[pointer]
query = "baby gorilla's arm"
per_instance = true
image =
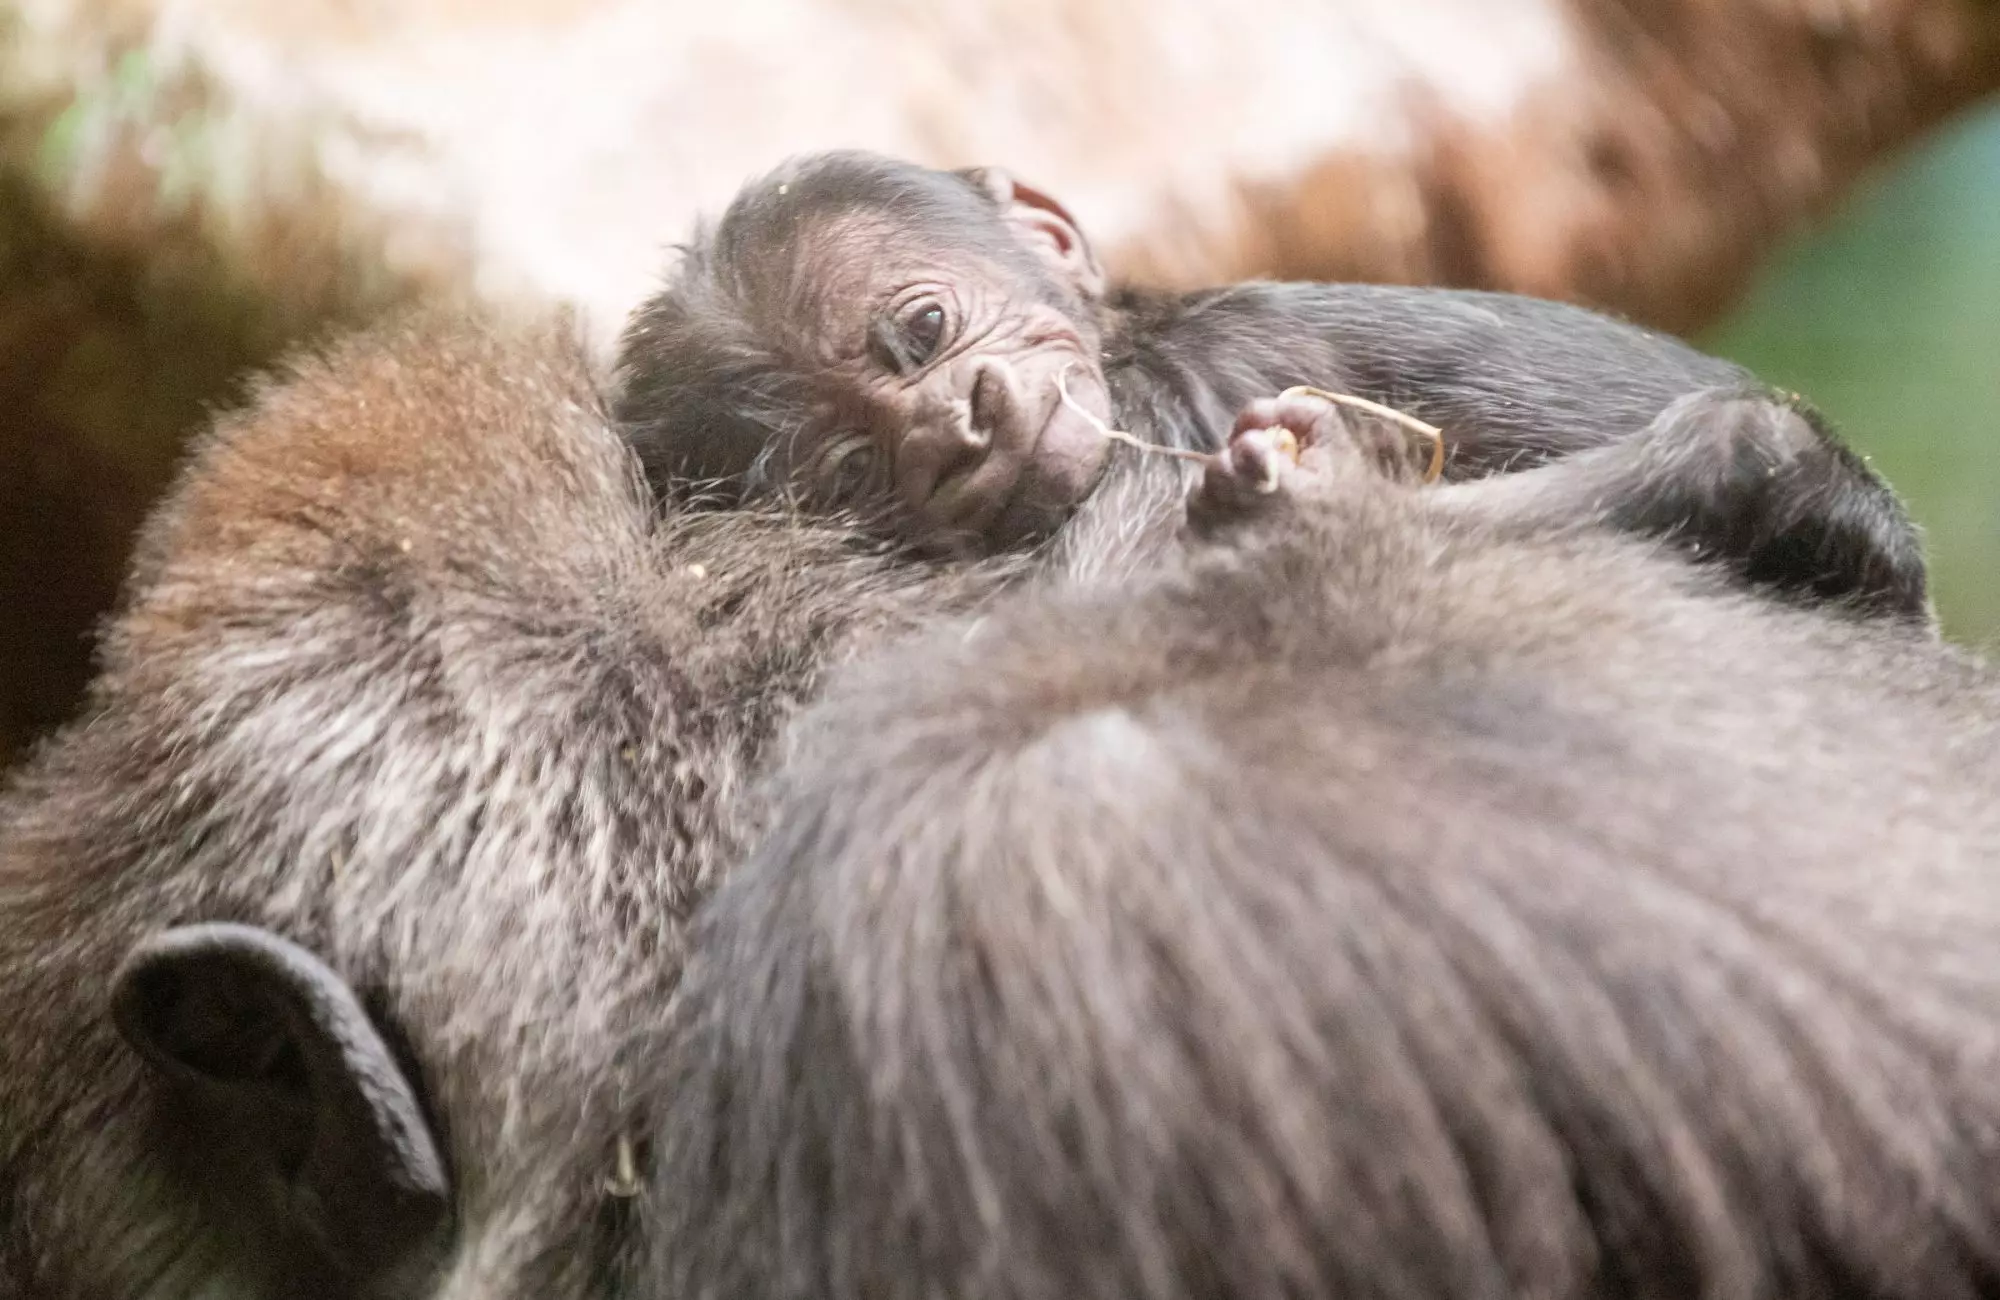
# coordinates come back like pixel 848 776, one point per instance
pixel 1744 479
pixel 1738 478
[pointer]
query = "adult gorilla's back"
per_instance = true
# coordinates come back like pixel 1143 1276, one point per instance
pixel 1369 909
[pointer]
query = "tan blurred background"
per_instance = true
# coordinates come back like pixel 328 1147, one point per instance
pixel 188 185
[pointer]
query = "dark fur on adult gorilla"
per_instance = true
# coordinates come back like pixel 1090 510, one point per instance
pixel 1377 905
pixel 337 943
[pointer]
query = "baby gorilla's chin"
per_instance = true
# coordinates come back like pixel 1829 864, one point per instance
pixel 1069 456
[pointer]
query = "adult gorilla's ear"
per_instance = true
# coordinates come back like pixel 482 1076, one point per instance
pixel 284 1075
pixel 1045 226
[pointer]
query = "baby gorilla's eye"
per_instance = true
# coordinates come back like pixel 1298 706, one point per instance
pixel 848 469
pixel 903 341
pixel 920 331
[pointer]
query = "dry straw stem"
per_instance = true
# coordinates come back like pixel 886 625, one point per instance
pixel 1119 435
pixel 623 1183
pixel 1410 422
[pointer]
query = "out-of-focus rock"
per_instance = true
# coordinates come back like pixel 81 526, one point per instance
pixel 301 158
pixel 106 360
pixel 1637 154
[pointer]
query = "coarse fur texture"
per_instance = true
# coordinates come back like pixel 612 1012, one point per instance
pixel 1351 907
pixel 1371 904
pixel 413 674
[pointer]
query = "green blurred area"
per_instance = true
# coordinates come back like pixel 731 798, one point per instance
pixel 1888 318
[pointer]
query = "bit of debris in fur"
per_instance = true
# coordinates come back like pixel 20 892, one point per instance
pixel 1287 441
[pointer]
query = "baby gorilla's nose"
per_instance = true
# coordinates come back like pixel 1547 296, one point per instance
pixel 960 468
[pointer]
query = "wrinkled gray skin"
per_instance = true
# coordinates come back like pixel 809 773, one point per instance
pixel 1371 887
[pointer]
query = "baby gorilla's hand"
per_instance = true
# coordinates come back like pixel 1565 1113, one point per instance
pixel 1301 442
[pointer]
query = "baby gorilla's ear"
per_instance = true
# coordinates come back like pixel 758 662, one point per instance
pixel 1045 226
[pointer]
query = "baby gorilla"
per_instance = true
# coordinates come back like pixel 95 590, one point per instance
pixel 872 336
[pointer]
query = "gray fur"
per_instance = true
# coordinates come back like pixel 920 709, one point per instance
pixel 1382 901
pixel 1387 901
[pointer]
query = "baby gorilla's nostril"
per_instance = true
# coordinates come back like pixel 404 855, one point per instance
pixel 996 404
pixel 971 431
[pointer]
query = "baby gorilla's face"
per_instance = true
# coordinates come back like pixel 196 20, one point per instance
pixel 945 370
pixel 885 338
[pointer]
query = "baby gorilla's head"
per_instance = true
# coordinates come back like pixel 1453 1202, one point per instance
pixel 880 337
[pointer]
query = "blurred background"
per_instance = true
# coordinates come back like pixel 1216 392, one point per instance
pixel 1889 317
pixel 188 187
